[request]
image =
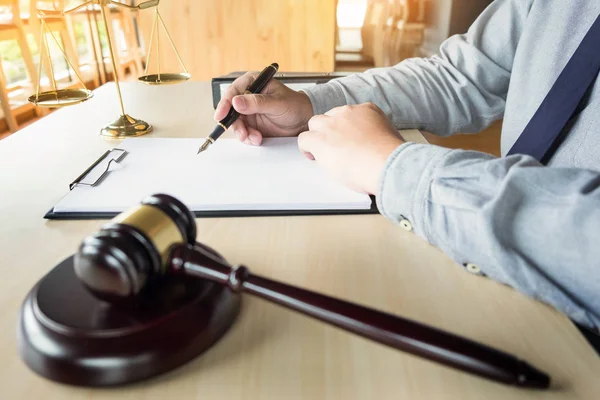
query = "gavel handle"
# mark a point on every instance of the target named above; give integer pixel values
(387, 329)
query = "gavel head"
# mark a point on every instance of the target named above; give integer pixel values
(129, 252)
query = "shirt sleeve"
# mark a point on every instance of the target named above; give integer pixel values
(463, 89)
(532, 227)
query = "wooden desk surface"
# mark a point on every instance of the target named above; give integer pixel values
(272, 353)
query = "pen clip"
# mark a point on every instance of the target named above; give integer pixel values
(117, 158)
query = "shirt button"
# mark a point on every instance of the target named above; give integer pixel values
(405, 224)
(472, 268)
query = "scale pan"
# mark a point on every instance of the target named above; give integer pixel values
(165, 79)
(61, 97)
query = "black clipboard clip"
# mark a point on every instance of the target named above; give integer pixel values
(114, 155)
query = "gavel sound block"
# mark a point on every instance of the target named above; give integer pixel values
(140, 298)
(73, 335)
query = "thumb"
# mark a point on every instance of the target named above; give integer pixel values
(310, 143)
(249, 104)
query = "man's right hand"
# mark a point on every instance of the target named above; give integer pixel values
(276, 111)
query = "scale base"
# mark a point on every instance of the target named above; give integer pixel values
(67, 335)
(126, 126)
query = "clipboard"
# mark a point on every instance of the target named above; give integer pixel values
(100, 170)
(293, 80)
(51, 215)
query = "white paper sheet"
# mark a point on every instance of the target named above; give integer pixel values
(229, 176)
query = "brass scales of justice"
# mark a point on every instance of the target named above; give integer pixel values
(125, 125)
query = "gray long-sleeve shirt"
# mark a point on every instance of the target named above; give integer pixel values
(532, 227)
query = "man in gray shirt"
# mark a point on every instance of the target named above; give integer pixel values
(533, 227)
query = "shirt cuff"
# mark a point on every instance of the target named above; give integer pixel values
(325, 96)
(405, 182)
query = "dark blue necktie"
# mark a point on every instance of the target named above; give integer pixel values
(546, 129)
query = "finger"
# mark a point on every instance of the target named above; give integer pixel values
(240, 85)
(337, 111)
(374, 107)
(308, 155)
(317, 122)
(237, 87)
(309, 143)
(249, 104)
(254, 137)
(239, 130)
(222, 109)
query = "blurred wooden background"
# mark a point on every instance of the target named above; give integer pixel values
(218, 37)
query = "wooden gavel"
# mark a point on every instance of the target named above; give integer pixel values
(157, 238)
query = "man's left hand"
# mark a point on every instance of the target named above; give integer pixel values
(352, 144)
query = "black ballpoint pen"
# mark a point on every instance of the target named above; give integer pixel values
(256, 87)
